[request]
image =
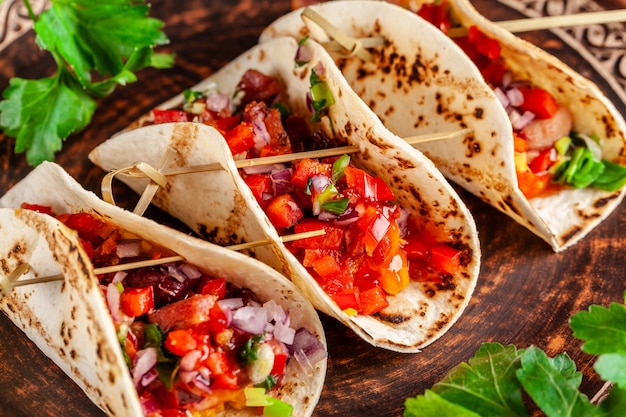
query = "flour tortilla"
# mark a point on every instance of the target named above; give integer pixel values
(418, 315)
(69, 320)
(421, 82)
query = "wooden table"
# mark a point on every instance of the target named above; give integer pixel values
(525, 294)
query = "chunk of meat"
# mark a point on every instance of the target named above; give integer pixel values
(183, 314)
(541, 134)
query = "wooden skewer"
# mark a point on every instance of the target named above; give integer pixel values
(549, 22)
(279, 159)
(9, 282)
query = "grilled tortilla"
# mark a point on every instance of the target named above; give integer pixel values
(421, 82)
(69, 320)
(417, 315)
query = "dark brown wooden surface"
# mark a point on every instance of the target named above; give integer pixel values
(525, 294)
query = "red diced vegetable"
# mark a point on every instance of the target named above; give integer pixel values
(306, 168)
(180, 342)
(372, 300)
(367, 186)
(38, 208)
(280, 357)
(259, 184)
(445, 258)
(347, 300)
(135, 302)
(332, 239)
(167, 116)
(216, 287)
(240, 138)
(283, 211)
(539, 101)
(542, 162)
(218, 363)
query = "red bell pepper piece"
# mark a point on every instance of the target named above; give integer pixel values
(372, 300)
(240, 138)
(38, 208)
(349, 299)
(367, 186)
(215, 286)
(532, 184)
(280, 357)
(218, 363)
(332, 239)
(306, 168)
(180, 342)
(543, 161)
(135, 302)
(445, 258)
(260, 185)
(167, 116)
(539, 101)
(283, 211)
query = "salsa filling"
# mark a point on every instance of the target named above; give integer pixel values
(194, 343)
(372, 247)
(549, 154)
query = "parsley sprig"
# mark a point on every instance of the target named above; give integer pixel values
(492, 383)
(96, 45)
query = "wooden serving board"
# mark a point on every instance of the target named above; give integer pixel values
(526, 292)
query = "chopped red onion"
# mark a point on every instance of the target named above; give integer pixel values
(326, 215)
(306, 345)
(275, 311)
(174, 271)
(281, 181)
(520, 121)
(149, 377)
(303, 54)
(128, 248)
(347, 218)
(501, 96)
(190, 271)
(190, 360)
(145, 360)
(250, 319)
(263, 168)
(230, 303)
(217, 102)
(119, 277)
(319, 69)
(515, 96)
(283, 333)
(113, 301)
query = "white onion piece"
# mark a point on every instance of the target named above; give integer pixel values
(230, 303)
(113, 301)
(283, 333)
(217, 102)
(522, 121)
(119, 277)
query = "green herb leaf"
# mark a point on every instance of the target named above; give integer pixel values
(486, 384)
(114, 38)
(249, 352)
(553, 384)
(321, 95)
(433, 405)
(40, 114)
(339, 168)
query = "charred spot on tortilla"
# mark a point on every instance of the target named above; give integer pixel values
(601, 202)
(391, 318)
(478, 113)
(570, 235)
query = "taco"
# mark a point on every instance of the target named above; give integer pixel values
(323, 113)
(206, 330)
(421, 81)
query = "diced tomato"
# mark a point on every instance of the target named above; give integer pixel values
(543, 161)
(374, 226)
(218, 363)
(349, 299)
(85, 224)
(224, 124)
(539, 101)
(130, 345)
(388, 247)
(180, 342)
(88, 247)
(367, 186)
(227, 380)
(519, 143)
(214, 286)
(167, 116)
(240, 138)
(280, 357)
(135, 302)
(217, 320)
(313, 255)
(437, 14)
(332, 239)
(169, 412)
(416, 248)
(445, 258)
(260, 185)
(283, 211)
(303, 169)
(326, 267)
(372, 300)
(532, 184)
(38, 208)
